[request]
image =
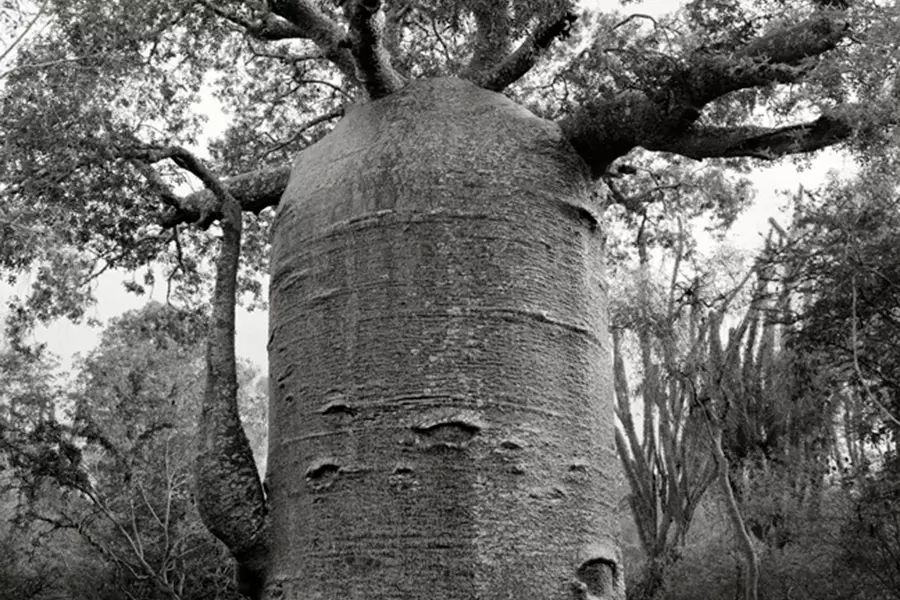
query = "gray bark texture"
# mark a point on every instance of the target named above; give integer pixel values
(441, 401)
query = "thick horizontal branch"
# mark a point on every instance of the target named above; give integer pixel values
(782, 56)
(603, 130)
(183, 158)
(791, 45)
(373, 62)
(766, 143)
(254, 191)
(517, 64)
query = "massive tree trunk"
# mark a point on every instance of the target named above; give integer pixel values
(441, 402)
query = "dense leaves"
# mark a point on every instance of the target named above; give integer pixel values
(102, 472)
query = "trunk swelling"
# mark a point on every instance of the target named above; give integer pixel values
(442, 421)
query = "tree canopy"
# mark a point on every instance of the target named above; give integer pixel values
(95, 98)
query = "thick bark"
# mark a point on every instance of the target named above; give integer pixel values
(441, 403)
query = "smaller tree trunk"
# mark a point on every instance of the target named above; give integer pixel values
(745, 544)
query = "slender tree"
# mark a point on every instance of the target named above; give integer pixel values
(441, 398)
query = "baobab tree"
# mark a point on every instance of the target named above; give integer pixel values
(441, 415)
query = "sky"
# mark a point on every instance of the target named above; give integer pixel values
(67, 340)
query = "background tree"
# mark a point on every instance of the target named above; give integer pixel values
(660, 316)
(111, 482)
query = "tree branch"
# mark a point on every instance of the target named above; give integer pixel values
(24, 31)
(321, 30)
(491, 37)
(603, 130)
(163, 189)
(766, 143)
(230, 497)
(517, 64)
(373, 63)
(339, 112)
(782, 56)
(254, 191)
(270, 27)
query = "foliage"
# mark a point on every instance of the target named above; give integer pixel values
(842, 260)
(107, 472)
(871, 535)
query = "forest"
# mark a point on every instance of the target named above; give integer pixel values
(519, 342)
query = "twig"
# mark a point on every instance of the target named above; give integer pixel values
(25, 31)
(633, 17)
(305, 127)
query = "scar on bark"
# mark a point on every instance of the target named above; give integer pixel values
(447, 430)
(595, 578)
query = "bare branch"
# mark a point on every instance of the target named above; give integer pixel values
(517, 64)
(766, 143)
(270, 27)
(321, 30)
(230, 498)
(254, 191)
(187, 161)
(633, 17)
(24, 31)
(304, 128)
(373, 63)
